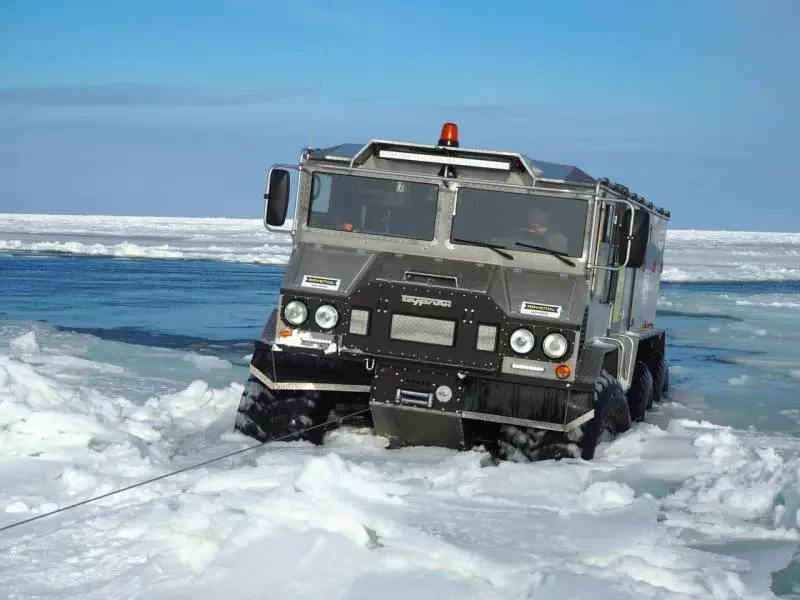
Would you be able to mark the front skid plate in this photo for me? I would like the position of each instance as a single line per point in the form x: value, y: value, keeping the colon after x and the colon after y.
x: 410, y: 426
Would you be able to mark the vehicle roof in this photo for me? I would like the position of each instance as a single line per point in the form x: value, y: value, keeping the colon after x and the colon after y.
x: 354, y: 153
x: 542, y: 168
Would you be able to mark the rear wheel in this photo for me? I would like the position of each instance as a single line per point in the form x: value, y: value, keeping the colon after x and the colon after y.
x: 658, y: 368
x: 640, y: 394
x: 266, y: 414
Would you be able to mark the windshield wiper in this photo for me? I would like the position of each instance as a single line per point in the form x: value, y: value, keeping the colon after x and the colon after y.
x: 499, y: 249
x: 559, y: 255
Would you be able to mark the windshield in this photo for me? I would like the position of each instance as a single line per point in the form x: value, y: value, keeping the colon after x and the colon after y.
x: 370, y: 205
x: 524, y: 222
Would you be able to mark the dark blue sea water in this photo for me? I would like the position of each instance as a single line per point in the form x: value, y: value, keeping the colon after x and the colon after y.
x: 735, y: 344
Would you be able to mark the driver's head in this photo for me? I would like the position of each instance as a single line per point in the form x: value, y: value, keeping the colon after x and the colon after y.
x: 538, y: 220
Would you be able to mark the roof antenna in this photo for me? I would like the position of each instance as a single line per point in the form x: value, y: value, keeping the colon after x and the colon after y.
x: 323, y: 65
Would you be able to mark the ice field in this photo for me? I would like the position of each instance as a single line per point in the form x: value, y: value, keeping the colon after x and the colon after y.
x: 124, y: 344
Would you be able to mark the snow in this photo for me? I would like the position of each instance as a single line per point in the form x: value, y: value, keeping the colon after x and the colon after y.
x: 694, y: 255
x: 351, y: 519
x: 230, y: 240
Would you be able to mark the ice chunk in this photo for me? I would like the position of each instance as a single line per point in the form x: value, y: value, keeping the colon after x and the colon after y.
x: 18, y: 506
x: 207, y: 362
x: 742, y: 380
x: 25, y: 344
x: 606, y: 495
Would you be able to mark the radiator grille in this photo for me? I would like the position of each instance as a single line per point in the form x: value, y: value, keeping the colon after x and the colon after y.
x: 440, y: 332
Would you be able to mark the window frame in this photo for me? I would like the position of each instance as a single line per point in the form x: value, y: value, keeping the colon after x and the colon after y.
x: 305, y: 213
x: 542, y: 193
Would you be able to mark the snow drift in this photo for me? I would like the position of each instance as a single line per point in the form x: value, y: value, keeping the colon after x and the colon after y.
x: 654, y: 516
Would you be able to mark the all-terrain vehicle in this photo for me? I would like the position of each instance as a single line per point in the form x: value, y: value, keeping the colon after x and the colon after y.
x: 466, y: 297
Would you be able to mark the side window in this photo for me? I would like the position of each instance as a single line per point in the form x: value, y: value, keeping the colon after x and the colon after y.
x: 609, y: 220
x: 604, y: 283
x: 321, y: 193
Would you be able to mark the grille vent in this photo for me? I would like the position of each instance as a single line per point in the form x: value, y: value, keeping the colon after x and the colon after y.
x: 439, y: 332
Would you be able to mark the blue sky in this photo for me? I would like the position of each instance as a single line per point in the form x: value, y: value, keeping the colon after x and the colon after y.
x: 178, y: 108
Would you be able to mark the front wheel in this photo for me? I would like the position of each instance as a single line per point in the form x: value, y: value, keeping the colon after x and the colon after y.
x: 266, y: 414
x: 611, y: 414
x: 521, y: 444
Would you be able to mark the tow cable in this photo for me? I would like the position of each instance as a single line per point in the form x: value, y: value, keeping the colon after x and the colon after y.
x: 179, y: 471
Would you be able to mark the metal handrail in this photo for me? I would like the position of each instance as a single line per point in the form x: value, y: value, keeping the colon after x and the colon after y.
x: 629, y: 236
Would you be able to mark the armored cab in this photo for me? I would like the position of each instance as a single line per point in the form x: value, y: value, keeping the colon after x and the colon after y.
x: 467, y: 297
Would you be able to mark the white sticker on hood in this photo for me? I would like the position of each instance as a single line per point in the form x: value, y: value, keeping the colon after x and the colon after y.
x: 321, y: 283
x: 538, y: 309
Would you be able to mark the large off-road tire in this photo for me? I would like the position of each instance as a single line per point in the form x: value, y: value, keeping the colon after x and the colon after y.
x: 611, y: 414
x: 640, y: 394
x: 658, y: 368
x: 267, y: 415
x: 520, y: 444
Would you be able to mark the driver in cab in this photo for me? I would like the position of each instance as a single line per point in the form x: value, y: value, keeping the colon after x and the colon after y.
x: 537, y: 231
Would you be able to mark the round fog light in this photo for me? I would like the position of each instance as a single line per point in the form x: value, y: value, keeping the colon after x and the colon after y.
x: 326, y: 316
x: 522, y: 341
x: 555, y: 345
x: 295, y: 312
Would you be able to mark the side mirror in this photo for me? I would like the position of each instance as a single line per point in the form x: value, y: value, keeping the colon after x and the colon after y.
x: 640, y: 238
x: 277, y: 197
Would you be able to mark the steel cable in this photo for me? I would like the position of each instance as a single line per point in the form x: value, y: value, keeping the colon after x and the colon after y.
x: 177, y: 472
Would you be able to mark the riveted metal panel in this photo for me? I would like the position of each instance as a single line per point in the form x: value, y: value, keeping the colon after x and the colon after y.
x: 443, y: 307
x: 546, y: 290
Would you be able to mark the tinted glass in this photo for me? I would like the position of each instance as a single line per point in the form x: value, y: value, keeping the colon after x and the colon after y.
x: 504, y: 218
x: 378, y: 206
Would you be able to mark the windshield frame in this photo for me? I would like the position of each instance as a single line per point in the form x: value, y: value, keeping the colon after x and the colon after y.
x: 588, y: 198
x: 305, y: 201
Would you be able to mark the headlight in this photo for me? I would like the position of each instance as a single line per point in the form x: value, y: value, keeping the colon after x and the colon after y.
x: 555, y: 345
x: 326, y: 316
x: 522, y: 341
x: 295, y: 312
